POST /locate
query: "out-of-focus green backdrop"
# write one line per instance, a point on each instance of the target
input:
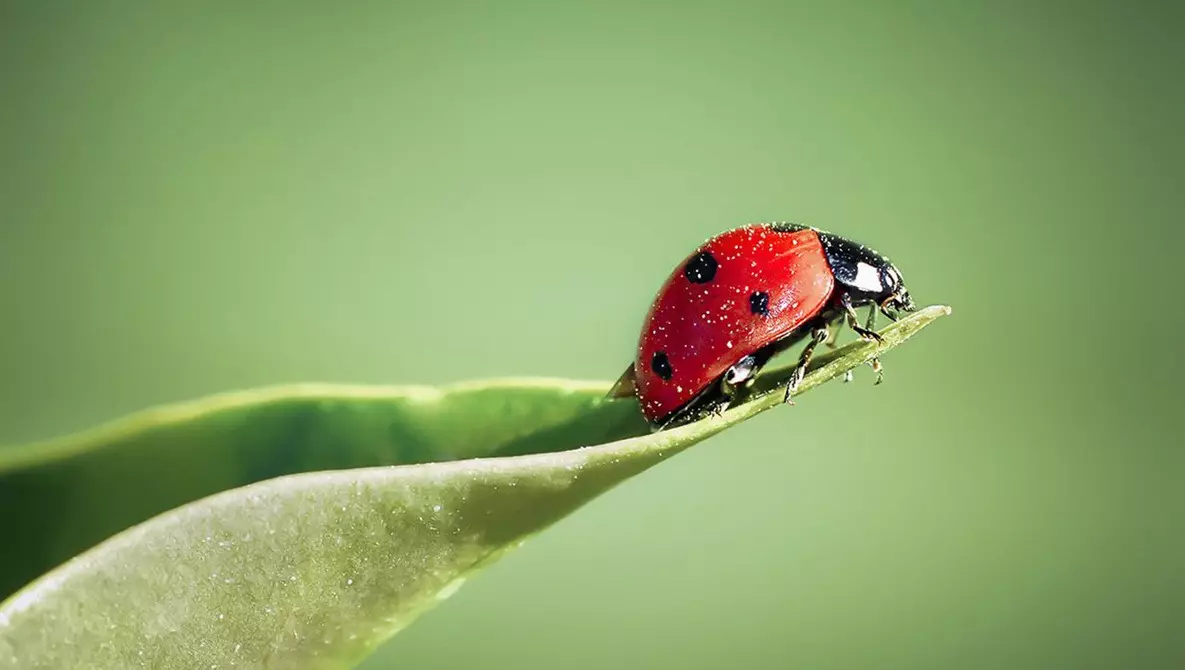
(223, 196)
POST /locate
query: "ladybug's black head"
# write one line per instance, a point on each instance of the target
(866, 276)
(894, 297)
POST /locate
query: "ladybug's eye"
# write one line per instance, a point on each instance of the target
(905, 301)
(891, 279)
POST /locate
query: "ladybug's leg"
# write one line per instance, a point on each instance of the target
(854, 320)
(876, 362)
(866, 331)
(884, 309)
(833, 341)
(878, 369)
(818, 334)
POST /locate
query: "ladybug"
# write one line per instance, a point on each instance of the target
(740, 299)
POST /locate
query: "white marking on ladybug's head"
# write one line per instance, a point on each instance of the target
(868, 278)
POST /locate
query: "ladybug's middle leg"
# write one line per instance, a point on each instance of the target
(833, 341)
(866, 331)
(819, 335)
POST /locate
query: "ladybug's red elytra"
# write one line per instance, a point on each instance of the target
(741, 298)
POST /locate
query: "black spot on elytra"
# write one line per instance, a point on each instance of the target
(759, 303)
(701, 269)
(661, 366)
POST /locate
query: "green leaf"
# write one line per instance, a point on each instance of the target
(317, 569)
(88, 487)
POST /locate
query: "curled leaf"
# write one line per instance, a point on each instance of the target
(316, 569)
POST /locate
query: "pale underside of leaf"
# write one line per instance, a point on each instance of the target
(316, 569)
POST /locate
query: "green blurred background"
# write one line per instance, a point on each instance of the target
(229, 195)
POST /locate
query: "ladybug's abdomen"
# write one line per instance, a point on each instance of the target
(740, 291)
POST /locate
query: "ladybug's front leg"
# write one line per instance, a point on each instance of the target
(866, 331)
(818, 335)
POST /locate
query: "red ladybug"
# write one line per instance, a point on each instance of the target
(740, 299)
